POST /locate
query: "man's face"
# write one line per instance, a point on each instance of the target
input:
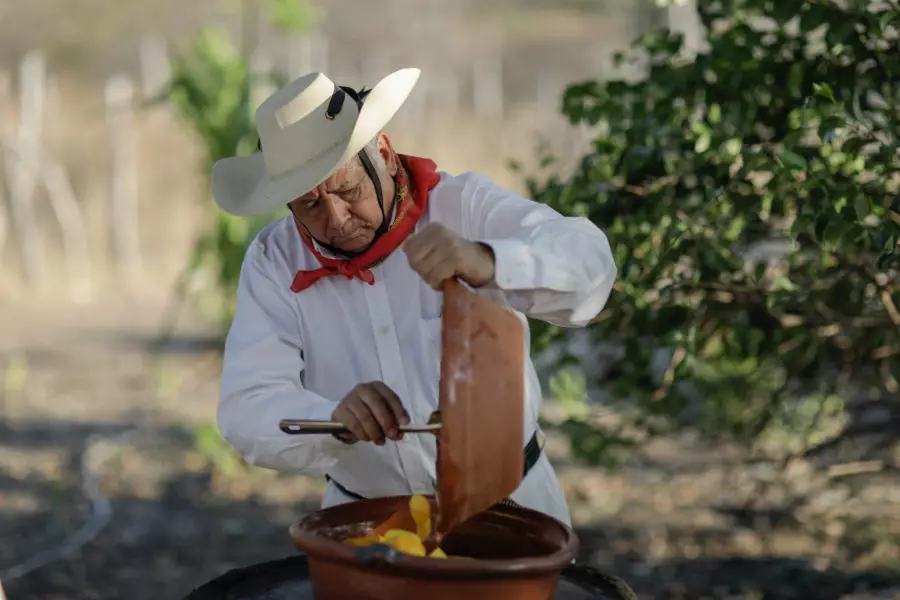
(343, 210)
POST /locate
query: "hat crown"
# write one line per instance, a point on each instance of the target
(294, 127)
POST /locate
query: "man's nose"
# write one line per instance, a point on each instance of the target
(338, 212)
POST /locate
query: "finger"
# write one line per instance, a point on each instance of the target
(368, 423)
(432, 236)
(378, 406)
(439, 268)
(416, 242)
(418, 252)
(411, 245)
(346, 417)
(441, 274)
(394, 402)
(428, 262)
(396, 407)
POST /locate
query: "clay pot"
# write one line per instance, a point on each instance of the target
(512, 553)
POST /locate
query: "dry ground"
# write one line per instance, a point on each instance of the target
(90, 414)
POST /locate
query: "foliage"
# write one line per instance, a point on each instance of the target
(292, 16)
(785, 132)
(568, 386)
(213, 89)
(208, 441)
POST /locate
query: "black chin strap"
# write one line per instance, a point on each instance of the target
(334, 108)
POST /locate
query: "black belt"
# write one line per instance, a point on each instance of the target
(533, 450)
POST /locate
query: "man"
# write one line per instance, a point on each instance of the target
(339, 306)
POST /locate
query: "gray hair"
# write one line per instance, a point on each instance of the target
(372, 151)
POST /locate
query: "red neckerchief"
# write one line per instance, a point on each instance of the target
(409, 207)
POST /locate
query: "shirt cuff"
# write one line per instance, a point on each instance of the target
(514, 266)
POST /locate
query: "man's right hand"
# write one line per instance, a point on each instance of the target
(372, 412)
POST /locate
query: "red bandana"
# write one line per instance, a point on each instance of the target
(408, 208)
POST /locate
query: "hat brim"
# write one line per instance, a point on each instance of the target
(242, 187)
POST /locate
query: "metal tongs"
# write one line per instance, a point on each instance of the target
(310, 427)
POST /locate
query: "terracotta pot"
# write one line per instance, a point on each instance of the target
(512, 553)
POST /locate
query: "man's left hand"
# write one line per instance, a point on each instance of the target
(438, 254)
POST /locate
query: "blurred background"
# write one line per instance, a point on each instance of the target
(729, 426)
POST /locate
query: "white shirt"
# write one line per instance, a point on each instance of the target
(293, 355)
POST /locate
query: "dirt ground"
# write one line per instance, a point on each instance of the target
(114, 485)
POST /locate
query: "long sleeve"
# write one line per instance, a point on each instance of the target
(549, 267)
(261, 381)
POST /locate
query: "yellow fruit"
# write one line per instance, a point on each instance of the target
(366, 540)
(408, 542)
(392, 533)
(404, 541)
(420, 509)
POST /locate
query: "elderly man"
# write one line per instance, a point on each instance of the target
(334, 323)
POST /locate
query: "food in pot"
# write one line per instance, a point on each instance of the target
(408, 542)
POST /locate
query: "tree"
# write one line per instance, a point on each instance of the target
(212, 88)
(786, 131)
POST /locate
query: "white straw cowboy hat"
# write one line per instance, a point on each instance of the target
(307, 130)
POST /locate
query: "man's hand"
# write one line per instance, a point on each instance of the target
(438, 254)
(372, 411)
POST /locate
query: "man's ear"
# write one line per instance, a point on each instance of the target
(388, 154)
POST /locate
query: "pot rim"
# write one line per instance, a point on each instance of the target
(320, 548)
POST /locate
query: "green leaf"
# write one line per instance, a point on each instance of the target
(782, 283)
(861, 206)
(733, 147)
(824, 90)
(702, 143)
(792, 160)
(853, 145)
(795, 79)
(836, 232)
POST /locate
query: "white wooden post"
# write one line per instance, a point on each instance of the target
(156, 69)
(307, 54)
(300, 56)
(4, 220)
(261, 87)
(375, 65)
(447, 94)
(351, 77)
(24, 180)
(6, 104)
(548, 100)
(123, 142)
(487, 84)
(74, 231)
(52, 107)
(415, 110)
(65, 209)
(321, 54)
(5, 133)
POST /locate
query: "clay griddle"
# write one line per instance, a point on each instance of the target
(482, 401)
(288, 579)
